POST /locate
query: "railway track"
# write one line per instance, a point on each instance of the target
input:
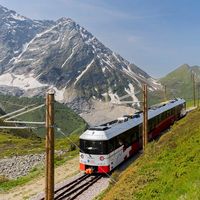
(75, 188)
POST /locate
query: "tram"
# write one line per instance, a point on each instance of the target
(105, 146)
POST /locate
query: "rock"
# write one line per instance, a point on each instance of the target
(18, 166)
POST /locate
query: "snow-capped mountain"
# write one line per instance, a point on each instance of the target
(15, 32)
(61, 54)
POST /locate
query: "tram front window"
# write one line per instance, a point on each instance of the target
(93, 147)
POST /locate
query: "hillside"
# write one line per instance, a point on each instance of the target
(65, 118)
(179, 82)
(169, 169)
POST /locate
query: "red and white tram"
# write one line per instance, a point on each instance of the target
(105, 146)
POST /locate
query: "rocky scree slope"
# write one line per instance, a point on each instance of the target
(61, 54)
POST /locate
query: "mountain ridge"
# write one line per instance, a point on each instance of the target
(65, 56)
(179, 81)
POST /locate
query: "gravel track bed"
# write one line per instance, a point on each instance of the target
(89, 194)
(95, 189)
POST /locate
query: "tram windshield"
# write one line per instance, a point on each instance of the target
(93, 147)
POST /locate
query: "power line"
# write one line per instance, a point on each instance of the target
(32, 109)
(21, 112)
(25, 122)
(18, 127)
(14, 112)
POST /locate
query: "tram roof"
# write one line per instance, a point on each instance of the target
(111, 129)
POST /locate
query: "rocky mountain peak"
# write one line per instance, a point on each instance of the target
(10, 15)
(65, 19)
(36, 54)
(3, 9)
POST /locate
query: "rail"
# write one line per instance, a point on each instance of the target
(75, 188)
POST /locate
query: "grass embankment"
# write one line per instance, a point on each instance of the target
(38, 171)
(168, 170)
(11, 145)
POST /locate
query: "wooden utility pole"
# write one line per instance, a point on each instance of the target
(145, 117)
(49, 185)
(194, 92)
(165, 93)
(198, 92)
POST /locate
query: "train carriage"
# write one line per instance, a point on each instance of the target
(105, 146)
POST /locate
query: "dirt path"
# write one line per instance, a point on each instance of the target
(37, 185)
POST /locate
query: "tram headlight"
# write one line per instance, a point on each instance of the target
(82, 156)
(101, 158)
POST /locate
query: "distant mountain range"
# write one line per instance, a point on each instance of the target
(37, 54)
(179, 82)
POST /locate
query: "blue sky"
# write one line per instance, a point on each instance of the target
(156, 35)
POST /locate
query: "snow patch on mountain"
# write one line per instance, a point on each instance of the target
(70, 56)
(20, 81)
(114, 98)
(28, 83)
(131, 91)
(18, 17)
(156, 85)
(83, 72)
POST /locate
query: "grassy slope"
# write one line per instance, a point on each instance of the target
(179, 83)
(11, 145)
(168, 170)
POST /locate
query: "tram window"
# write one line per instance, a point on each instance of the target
(123, 139)
(111, 145)
(165, 115)
(140, 130)
(137, 134)
(155, 121)
(134, 134)
(126, 138)
(159, 117)
(93, 147)
(152, 123)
